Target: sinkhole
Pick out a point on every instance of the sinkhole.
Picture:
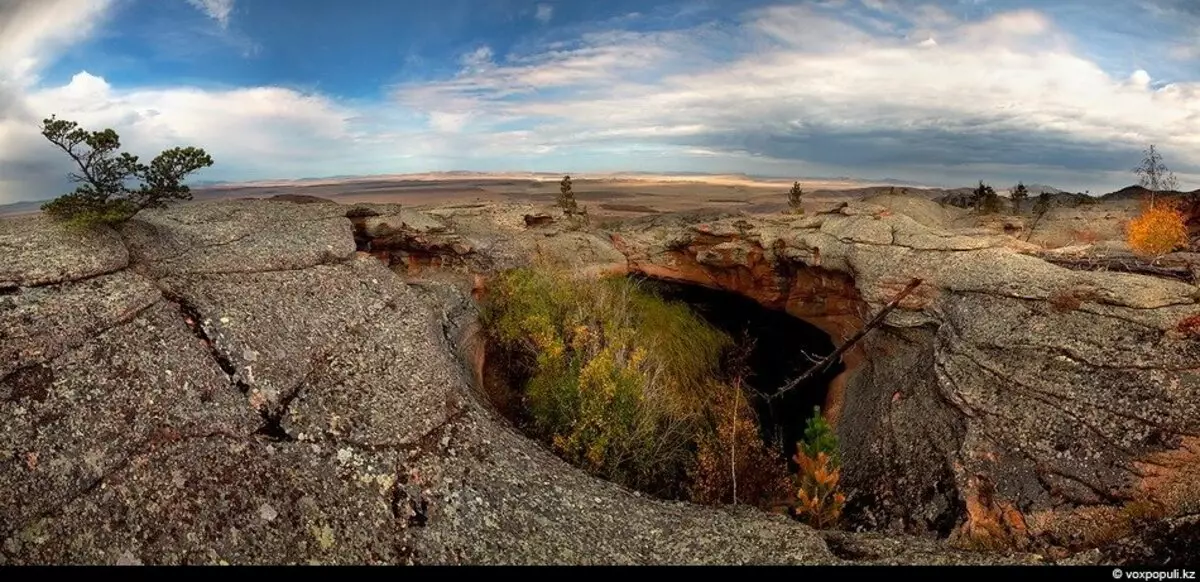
(778, 347)
(661, 386)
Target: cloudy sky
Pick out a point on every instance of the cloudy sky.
(1063, 92)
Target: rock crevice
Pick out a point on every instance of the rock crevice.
(345, 428)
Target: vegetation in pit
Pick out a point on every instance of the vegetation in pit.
(631, 388)
(819, 500)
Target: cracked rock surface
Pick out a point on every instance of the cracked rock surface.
(231, 382)
(1008, 402)
(246, 389)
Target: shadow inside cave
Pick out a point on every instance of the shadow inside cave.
(781, 347)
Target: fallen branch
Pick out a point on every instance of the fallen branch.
(828, 361)
(1182, 272)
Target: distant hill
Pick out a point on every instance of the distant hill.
(21, 207)
(1035, 189)
(868, 191)
(1137, 192)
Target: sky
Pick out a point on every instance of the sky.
(1065, 92)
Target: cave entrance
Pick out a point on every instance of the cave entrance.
(780, 348)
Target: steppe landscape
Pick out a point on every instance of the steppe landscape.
(991, 357)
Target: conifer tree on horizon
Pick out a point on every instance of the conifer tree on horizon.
(566, 197)
(795, 198)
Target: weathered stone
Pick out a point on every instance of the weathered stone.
(1004, 396)
(1007, 401)
(38, 324)
(70, 422)
(269, 236)
(39, 251)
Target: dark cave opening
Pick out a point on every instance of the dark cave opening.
(779, 347)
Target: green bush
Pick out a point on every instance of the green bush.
(620, 381)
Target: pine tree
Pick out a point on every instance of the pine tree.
(103, 194)
(1019, 194)
(795, 198)
(985, 199)
(566, 197)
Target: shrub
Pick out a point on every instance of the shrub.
(1159, 229)
(819, 500)
(104, 195)
(620, 381)
(733, 464)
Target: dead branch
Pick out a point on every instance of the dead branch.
(833, 357)
(1181, 272)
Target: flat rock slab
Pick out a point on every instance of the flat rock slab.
(242, 237)
(70, 422)
(37, 324)
(35, 250)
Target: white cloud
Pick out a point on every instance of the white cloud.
(479, 58)
(544, 13)
(985, 78)
(727, 98)
(32, 29)
(218, 10)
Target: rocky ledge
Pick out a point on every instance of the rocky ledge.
(270, 382)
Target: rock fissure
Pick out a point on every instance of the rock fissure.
(198, 324)
(967, 451)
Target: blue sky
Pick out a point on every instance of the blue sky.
(941, 92)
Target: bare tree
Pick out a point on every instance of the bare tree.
(1153, 174)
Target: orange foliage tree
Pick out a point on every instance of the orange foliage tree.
(1159, 229)
(819, 502)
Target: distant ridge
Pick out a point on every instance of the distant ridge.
(1137, 192)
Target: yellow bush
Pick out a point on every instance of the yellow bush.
(1158, 230)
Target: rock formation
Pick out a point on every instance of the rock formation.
(1008, 403)
(249, 382)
